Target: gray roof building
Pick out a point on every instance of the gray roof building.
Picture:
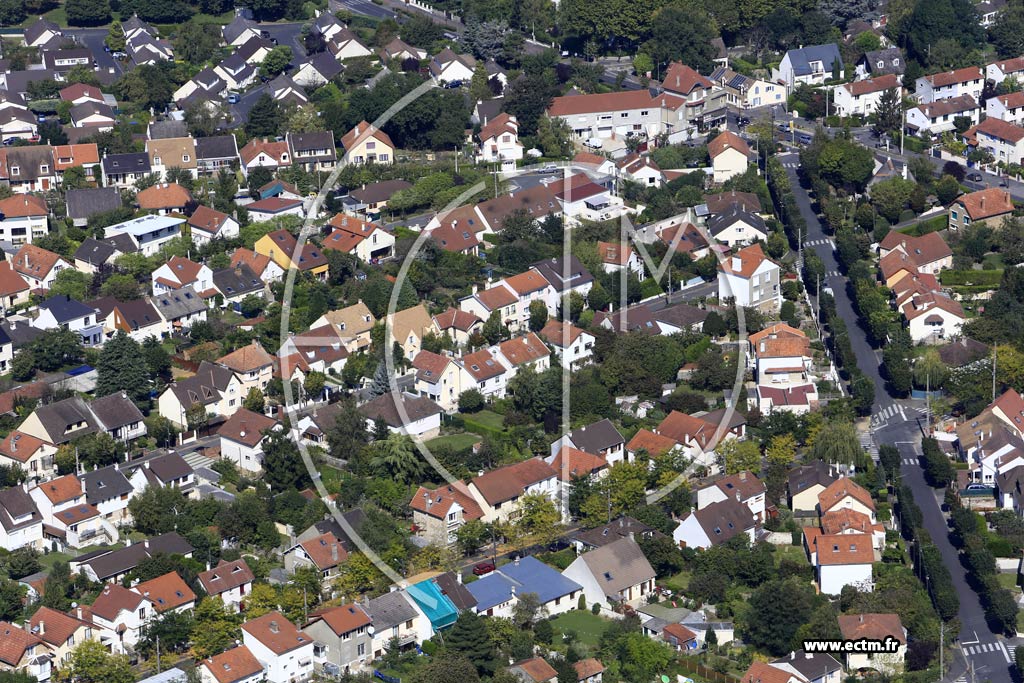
(597, 437)
(618, 566)
(17, 510)
(179, 303)
(168, 128)
(881, 62)
(390, 610)
(105, 483)
(94, 252)
(107, 564)
(66, 420)
(801, 58)
(115, 410)
(87, 202)
(237, 281)
(554, 270)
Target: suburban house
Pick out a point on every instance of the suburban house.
(21, 525)
(263, 152)
(167, 593)
(929, 253)
(744, 487)
(997, 72)
(949, 84)
(499, 141)
(325, 554)
(213, 386)
(229, 581)
(122, 170)
(573, 346)
(989, 206)
(805, 484)
(487, 374)
(314, 152)
(751, 279)
(61, 632)
(939, 116)
(730, 156)
(1009, 107)
(860, 98)
(367, 144)
(439, 513)
(534, 670)
(881, 62)
(237, 665)
(498, 592)
(618, 114)
(285, 652)
(180, 272)
(215, 153)
(614, 574)
(150, 233)
(598, 438)
(395, 616)
(23, 218)
(241, 439)
(1003, 140)
(408, 327)
(120, 614)
(66, 313)
(206, 224)
(840, 560)
(811, 65)
(346, 630)
(439, 378)
(715, 524)
(502, 489)
(38, 266)
(281, 247)
(735, 227)
(418, 415)
(367, 241)
(446, 67)
(879, 627)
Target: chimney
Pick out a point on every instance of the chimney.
(631, 536)
(458, 577)
(861, 618)
(517, 561)
(42, 627)
(792, 655)
(78, 611)
(512, 589)
(743, 476)
(145, 544)
(274, 627)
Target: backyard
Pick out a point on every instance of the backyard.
(587, 626)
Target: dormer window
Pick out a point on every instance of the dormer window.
(186, 158)
(15, 170)
(156, 160)
(896, 61)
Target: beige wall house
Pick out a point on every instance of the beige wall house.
(353, 324)
(730, 156)
(366, 144)
(408, 328)
(170, 153)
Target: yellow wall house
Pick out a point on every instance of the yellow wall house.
(280, 246)
(366, 144)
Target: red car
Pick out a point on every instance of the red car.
(483, 568)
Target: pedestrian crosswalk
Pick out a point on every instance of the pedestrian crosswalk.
(817, 243)
(983, 648)
(888, 413)
(791, 164)
(909, 461)
(832, 273)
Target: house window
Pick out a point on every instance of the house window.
(361, 649)
(15, 170)
(408, 624)
(186, 157)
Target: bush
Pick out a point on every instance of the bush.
(581, 604)
(471, 401)
(596, 608)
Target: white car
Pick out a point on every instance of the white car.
(593, 143)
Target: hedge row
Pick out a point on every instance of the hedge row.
(929, 567)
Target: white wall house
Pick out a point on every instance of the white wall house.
(860, 98)
(150, 232)
(284, 650)
(946, 84)
(750, 279)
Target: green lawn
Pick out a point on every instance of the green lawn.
(457, 442)
(678, 582)
(1008, 581)
(790, 552)
(489, 418)
(587, 626)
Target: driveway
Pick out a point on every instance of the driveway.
(93, 39)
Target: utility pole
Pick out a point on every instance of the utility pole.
(158, 654)
(995, 357)
(928, 402)
(942, 648)
(903, 127)
(456, 160)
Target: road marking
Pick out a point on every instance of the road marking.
(1006, 653)
(903, 415)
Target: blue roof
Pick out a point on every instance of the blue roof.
(439, 609)
(801, 58)
(65, 309)
(529, 575)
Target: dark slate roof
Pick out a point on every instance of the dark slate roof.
(30, 160)
(325, 64)
(383, 407)
(86, 109)
(138, 313)
(806, 476)
(20, 333)
(38, 28)
(17, 81)
(717, 224)
(104, 484)
(379, 192)
(179, 303)
(136, 23)
(962, 352)
(217, 147)
(299, 142)
(390, 610)
(681, 315)
(115, 410)
(66, 309)
(252, 46)
(232, 282)
(801, 58)
(237, 27)
(50, 57)
(123, 243)
(618, 528)
(355, 519)
(168, 128)
(553, 270)
(891, 59)
(111, 563)
(15, 502)
(203, 387)
(811, 665)
(596, 437)
(166, 468)
(4, 338)
(454, 590)
(88, 202)
(58, 419)
(130, 162)
(488, 109)
(94, 252)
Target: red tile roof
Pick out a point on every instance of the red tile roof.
(750, 259)
(62, 489)
(208, 220)
(236, 664)
(343, 618)
(482, 365)
(225, 576)
(841, 489)
(20, 446)
(438, 501)
(114, 599)
(655, 444)
(277, 633)
(246, 427)
(727, 140)
(944, 78)
(870, 85)
(69, 156)
(505, 483)
(11, 284)
(23, 206)
(680, 78)
(14, 642)
(844, 549)
(571, 462)
(35, 262)
(526, 349)
(325, 551)
(364, 131)
(872, 627)
(166, 592)
(163, 196)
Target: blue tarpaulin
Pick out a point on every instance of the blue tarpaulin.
(435, 604)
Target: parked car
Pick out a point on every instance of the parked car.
(483, 568)
(974, 177)
(233, 98)
(593, 143)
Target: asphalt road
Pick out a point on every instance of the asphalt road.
(897, 422)
(93, 39)
(364, 8)
(289, 34)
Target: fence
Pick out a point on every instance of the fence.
(692, 667)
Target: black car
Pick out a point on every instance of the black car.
(743, 121)
(974, 177)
